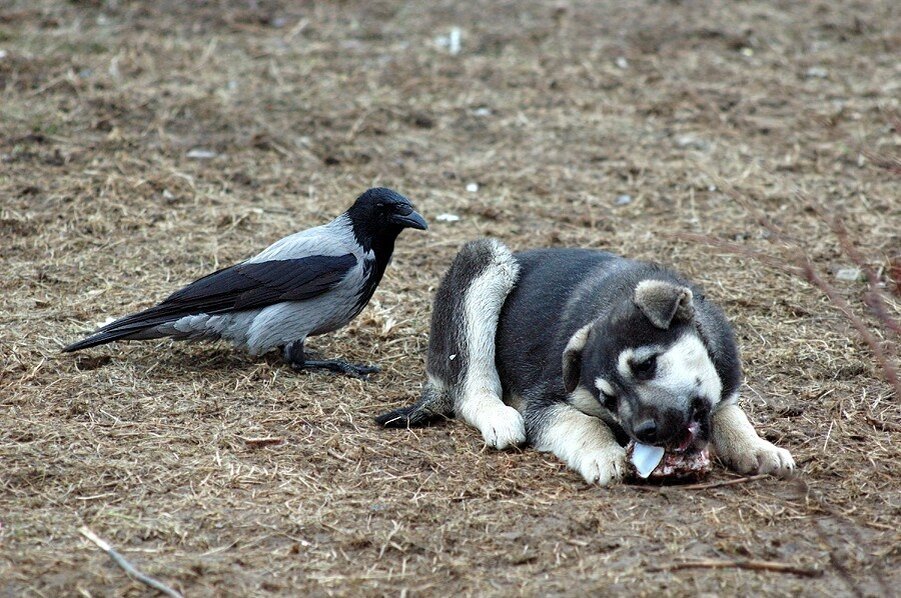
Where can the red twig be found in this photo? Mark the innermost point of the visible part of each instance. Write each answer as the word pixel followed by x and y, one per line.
pixel 801 264
pixel 888 368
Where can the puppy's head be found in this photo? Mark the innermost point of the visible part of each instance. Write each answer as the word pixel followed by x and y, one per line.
pixel 646 366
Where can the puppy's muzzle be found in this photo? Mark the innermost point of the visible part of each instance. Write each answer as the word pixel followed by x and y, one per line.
pixel 673 428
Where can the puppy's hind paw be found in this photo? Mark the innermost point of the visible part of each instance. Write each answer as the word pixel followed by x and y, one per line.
pixel 603 466
pixel 502 427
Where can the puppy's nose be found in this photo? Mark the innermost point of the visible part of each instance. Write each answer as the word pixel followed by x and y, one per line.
pixel 646 431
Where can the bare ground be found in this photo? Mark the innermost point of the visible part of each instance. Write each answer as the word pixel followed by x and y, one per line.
pixel 707 115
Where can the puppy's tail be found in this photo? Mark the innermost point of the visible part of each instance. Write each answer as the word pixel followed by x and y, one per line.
pixel 461 340
pixel 433 405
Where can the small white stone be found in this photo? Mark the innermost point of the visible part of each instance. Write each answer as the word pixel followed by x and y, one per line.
pixel 848 274
pixel 201 154
pixel 114 68
pixel 452 41
pixel 447 217
pixel 691 142
pixel 454 45
pixel 621 62
pixel 816 72
pixel 482 111
pixel 623 200
pixel 472 187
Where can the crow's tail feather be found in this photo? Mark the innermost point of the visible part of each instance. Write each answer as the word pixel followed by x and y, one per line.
pixel 103 336
pixel 98 338
pixel 137 326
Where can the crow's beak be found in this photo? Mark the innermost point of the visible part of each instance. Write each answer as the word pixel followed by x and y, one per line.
pixel 411 220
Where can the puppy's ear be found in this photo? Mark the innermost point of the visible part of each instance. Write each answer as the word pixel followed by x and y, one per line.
pixel 663 302
pixel 572 358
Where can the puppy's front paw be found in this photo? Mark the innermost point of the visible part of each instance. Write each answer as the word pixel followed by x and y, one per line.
pixel 604 465
pixel 502 426
pixel 761 457
pixel 738 445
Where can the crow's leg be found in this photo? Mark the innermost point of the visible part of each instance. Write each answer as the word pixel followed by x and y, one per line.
pixel 294 355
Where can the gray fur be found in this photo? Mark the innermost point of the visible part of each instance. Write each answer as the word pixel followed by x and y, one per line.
pixel 580 325
pixel 662 302
pixel 450 348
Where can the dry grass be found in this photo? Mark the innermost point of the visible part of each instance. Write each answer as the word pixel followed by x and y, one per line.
pixel 555 111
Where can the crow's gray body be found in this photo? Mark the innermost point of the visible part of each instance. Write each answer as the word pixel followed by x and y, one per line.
pixel 261 330
pixel 309 283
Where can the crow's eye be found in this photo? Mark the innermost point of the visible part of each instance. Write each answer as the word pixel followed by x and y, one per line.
pixel 645 369
pixel 608 400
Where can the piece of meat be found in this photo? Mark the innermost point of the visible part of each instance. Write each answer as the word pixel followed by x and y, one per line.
pixel 676 466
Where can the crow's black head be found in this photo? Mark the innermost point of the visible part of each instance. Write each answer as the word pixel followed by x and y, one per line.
pixel 380 214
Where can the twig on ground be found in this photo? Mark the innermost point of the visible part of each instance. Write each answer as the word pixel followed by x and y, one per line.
pixel 774 261
pixel 260 442
pixel 883 425
pixel 772 566
pixel 708 485
pixel 813 498
pixel 126 566
pixel 799 264
pixel 873 299
pixel 888 368
pixel 889 163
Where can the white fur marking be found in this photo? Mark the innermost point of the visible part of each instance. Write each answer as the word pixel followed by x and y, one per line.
pixel 622 363
pixel 578 339
pixel 479 402
pixel 636 355
pixel 680 367
pixel 604 386
pixel 584 443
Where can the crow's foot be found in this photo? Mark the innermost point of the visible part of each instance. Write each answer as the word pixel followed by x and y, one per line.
pixel 337 366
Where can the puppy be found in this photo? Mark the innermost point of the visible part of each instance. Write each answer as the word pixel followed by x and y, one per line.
pixel 577 351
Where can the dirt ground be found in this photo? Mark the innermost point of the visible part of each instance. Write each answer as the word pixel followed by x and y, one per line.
pixel 143 144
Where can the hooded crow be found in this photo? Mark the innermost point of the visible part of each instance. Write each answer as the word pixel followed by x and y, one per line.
pixel 308 283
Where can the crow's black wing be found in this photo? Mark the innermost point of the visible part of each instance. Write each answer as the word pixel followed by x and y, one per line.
pixel 248 285
pixel 258 284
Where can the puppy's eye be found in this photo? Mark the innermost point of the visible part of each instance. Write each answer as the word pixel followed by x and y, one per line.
pixel 645 369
